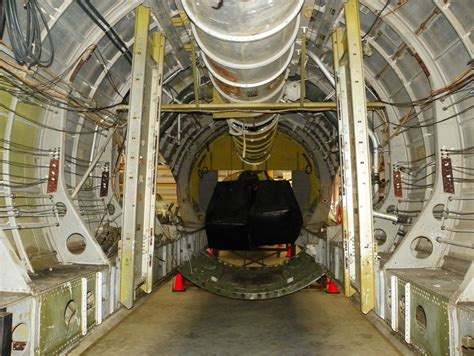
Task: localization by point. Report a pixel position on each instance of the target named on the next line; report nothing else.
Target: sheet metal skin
(251, 283)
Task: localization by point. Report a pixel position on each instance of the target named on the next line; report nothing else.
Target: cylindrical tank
(247, 44)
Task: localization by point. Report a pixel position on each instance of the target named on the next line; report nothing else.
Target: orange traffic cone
(214, 252)
(332, 288)
(179, 283)
(288, 251)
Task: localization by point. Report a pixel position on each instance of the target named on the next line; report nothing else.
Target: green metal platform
(251, 283)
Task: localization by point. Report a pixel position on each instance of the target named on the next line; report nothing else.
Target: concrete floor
(196, 322)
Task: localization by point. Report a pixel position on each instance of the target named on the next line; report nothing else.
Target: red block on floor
(289, 253)
(179, 283)
(332, 288)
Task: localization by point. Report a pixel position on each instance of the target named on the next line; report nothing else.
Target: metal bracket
(53, 175)
(397, 184)
(447, 171)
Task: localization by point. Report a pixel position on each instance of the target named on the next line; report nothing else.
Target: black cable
(22, 165)
(461, 150)
(127, 52)
(407, 163)
(109, 32)
(25, 147)
(467, 173)
(418, 179)
(19, 185)
(71, 132)
(464, 168)
(433, 123)
(2, 18)
(376, 20)
(27, 45)
(41, 96)
(429, 99)
(108, 76)
(463, 180)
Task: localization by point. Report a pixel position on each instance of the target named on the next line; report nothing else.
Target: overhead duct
(253, 140)
(247, 60)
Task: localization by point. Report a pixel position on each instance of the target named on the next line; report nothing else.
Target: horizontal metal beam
(214, 108)
(257, 107)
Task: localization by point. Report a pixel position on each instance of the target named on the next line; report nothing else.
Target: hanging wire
(377, 18)
(26, 42)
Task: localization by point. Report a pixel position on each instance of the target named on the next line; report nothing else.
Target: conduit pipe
(242, 62)
(385, 216)
(323, 68)
(455, 243)
(375, 163)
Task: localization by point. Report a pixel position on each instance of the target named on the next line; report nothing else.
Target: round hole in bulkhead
(401, 306)
(70, 313)
(438, 211)
(90, 300)
(420, 318)
(466, 342)
(421, 247)
(110, 209)
(20, 337)
(76, 244)
(380, 236)
(61, 209)
(391, 208)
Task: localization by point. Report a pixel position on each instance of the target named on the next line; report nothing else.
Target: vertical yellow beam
(130, 240)
(154, 108)
(355, 158)
(358, 114)
(138, 208)
(303, 69)
(345, 159)
(195, 73)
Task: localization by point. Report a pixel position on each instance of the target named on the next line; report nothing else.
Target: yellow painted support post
(128, 240)
(158, 55)
(195, 74)
(138, 208)
(358, 111)
(355, 159)
(303, 69)
(345, 161)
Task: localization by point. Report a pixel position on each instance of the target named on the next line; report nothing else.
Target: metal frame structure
(256, 107)
(418, 47)
(355, 158)
(137, 246)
